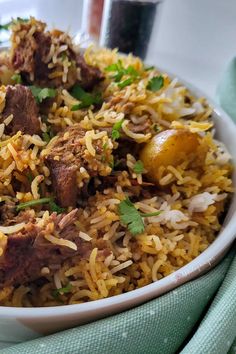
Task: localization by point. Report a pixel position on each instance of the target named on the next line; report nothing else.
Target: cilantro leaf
(66, 289)
(46, 93)
(115, 133)
(125, 83)
(56, 208)
(63, 56)
(31, 203)
(131, 71)
(17, 78)
(131, 217)
(53, 206)
(138, 167)
(41, 94)
(120, 71)
(148, 68)
(156, 128)
(112, 67)
(7, 25)
(156, 83)
(87, 99)
(46, 137)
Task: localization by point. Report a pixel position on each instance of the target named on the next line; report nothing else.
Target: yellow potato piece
(169, 147)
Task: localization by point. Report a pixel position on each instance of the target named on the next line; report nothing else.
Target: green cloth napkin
(161, 325)
(198, 317)
(226, 91)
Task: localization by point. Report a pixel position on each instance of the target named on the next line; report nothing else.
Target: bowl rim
(196, 267)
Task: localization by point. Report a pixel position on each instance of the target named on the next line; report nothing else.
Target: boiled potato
(6, 71)
(169, 147)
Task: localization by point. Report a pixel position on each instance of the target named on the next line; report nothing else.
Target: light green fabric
(226, 91)
(197, 318)
(159, 326)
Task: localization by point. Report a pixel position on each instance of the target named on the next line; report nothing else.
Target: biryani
(110, 175)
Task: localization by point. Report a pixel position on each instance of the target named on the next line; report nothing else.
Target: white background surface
(195, 39)
(191, 38)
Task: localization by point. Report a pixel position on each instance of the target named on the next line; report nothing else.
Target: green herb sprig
(115, 133)
(17, 78)
(131, 217)
(138, 167)
(64, 290)
(7, 25)
(41, 94)
(53, 206)
(86, 99)
(120, 71)
(156, 83)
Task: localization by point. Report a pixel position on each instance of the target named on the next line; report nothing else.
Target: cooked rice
(191, 208)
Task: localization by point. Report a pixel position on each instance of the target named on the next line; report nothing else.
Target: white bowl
(19, 324)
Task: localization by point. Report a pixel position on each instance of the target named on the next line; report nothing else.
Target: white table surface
(191, 38)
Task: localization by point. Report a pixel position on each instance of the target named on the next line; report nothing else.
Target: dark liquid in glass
(130, 25)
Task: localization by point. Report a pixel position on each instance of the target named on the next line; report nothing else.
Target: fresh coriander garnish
(138, 167)
(115, 133)
(120, 71)
(66, 289)
(131, 217)
(156, 83)
(17, 78)
(63, 56)
(87, 99)
(31, 203)
(56, 208)
(53, 206)
(156, 128)
(148, 68)
(105, 145)
(41, 94)
(7, 25)
(125, 83)
(48, 135)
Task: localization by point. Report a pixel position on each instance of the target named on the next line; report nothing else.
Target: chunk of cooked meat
(28, 251)
(64, 182)
(21, 104)
(89, 75)
(48, 58)
(7, 211)
(67, 155)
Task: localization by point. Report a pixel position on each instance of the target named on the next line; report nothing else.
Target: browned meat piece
(21, 103)
(23, 57)
(40, 60)
(30, 53)
(64, 182)
(90, 75)
(7, 211)
(140, 128)
(67, 155)
(28, 251)
(29, 58)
